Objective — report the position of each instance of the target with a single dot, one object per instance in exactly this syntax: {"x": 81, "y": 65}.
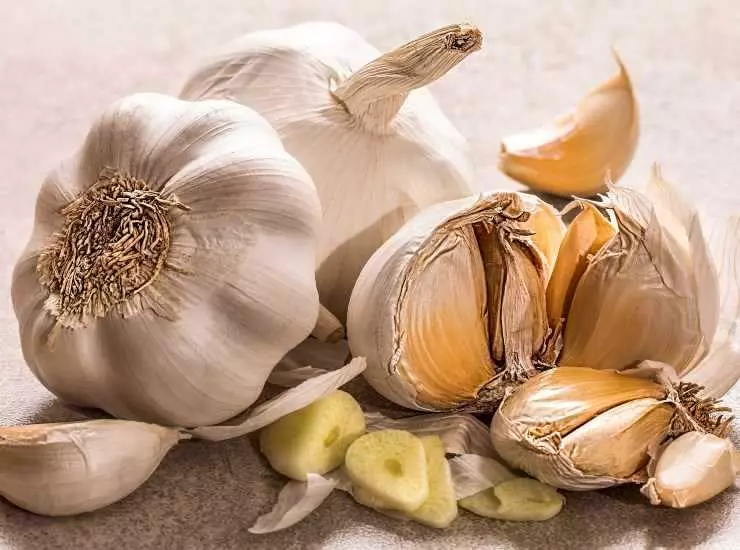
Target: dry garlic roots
{"x": 451, "y": 310}
{"x": 372, "y": 137}
{"x": 581, "y": 151}
{"x": 171, "y": 263}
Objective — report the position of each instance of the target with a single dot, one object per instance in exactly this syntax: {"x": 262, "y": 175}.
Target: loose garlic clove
{"x": 586, "y": 235}
{"x": 582, "y": 150}
{"x": 451, "y": 310}
{"x": 692, "y": 469}
{"x": 72, "y": 468}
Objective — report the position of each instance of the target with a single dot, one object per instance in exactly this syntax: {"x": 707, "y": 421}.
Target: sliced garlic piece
{"x": 518, "y": 499}
{"x": 313, "y": 439}
{"x": 440, "y": 508}
{"x": 586, "y": 234}
{"x": 452, "y": 309}
{"x": 692, "y": 469}
{"x": 390, "y": 465}
{"x": 71, "y": 468}
{"x": 582, "y": 150}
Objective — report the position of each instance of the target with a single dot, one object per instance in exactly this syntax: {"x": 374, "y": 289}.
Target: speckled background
{"x": 62, "y": 61}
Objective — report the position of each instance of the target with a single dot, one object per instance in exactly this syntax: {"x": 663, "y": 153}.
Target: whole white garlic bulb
{"x": 377, "y": 148}
{"x": 171, "y": 264}
{"x": 451, "y": 309}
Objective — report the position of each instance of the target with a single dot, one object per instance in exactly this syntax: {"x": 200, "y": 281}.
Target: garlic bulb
{"x": 66, "y": 469}
{"x": 171, "y": 264}
{"x": 582, "y": 150}
{"x": 692, "y": 469}
{"x": 378, "y": 148}
{"x": 578, "y": 428}
{"x": 639, "y": 287}
{"x": 451, "y": 310}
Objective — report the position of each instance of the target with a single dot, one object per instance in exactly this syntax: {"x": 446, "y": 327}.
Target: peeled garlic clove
{"x": 582, "y": 150}
{"x": 692, "y": 469}
{"x": 616, "y": 442}
{"x": 543, "y": 428}
{"x": 66, "y": 469}
{"x": 313, "y": 439}
{"x": 518, "y": 499}
{"x": 586, "y": 234}
{"x": 390, "y": 465}
{"x": 614, "y": 322}
{"x": 452, "y": 308}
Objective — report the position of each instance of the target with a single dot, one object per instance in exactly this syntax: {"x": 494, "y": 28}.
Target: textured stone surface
{"x": 62, "y": 62}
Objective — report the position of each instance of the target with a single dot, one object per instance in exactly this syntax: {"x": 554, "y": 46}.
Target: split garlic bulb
{"x": 451, "y": 309}
{"x": 171, "y": 263}
{"x": 71, "y": 468}
{"x": 638, "y": 286}
{"x": 578, "y": 428}
{"x": 582, "y": 150}
{"x": 378, "y": 148}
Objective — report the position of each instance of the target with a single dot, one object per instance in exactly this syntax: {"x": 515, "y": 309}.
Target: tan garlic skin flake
{"x": 171, "y": 263}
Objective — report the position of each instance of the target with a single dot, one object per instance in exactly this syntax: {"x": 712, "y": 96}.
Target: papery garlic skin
{"x": 647, "y": 294}
{"x": 377, "y": 148}
{"x": 692, "y": 469}
{"x": 421, "y": 309}
{"x": 582, "y": 150}
{"x": 236, "y": 289}
{"x": 67, "y": 469}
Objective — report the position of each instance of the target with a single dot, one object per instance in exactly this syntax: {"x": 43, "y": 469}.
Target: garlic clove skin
{"x": 582, "y": 150}
{"x": 612, "y": 322}
{"x": 434, "y": 343}
{"x": 362, "y": 123}
{"x": 692, "y": 469}
{"x": 72, "y": 468}
{"x": 236, "y": 289}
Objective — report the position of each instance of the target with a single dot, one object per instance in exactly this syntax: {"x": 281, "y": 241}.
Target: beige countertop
{"x": 62, "y": 62}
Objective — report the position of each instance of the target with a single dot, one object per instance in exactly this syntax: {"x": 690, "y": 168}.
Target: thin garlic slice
{"x": 72, "y": 468}
{"x": 692, "y": 469}
{"x": 582, "y": 150}
{"x": 451, "y": 310}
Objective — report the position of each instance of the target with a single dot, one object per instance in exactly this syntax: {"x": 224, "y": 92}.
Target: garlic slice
{"x": 72, "y": 468}
{"x": 582, "y": 150}
{"x": 452, "y": 309}
{"x": 692, "y": 469}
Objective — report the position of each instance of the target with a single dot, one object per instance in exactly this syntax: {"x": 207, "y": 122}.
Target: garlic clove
{"x": 612, "y": 322}
{"x": 586, "y": 234}
{"x": 517, "y": 499}
{"x": 692, "y": 469}
{"x": 582, "y": 150}
{"x": 72, "y": 468}
{"x": 549, "y": 230}
{"x": 562, "y": 399}
{"x": 440, "y": 508}
{"x": 616, "y": 442}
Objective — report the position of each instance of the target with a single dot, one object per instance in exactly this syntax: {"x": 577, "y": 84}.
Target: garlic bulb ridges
{"x": 362, "y": 123}
{"x": 66, "y": 469}
{"x": 451, "y": 310}
{"x": 582, "y": 150}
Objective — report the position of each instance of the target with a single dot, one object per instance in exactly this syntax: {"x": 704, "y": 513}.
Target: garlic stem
{"x": 376, "y": 92}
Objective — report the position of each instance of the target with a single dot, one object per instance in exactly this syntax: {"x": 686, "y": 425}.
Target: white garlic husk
{"x": 72, "y": 468}
{"x": 205, "y": 230}
{"x": 451, "y": 309}
{"x": 376, "y": 144}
